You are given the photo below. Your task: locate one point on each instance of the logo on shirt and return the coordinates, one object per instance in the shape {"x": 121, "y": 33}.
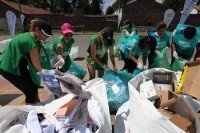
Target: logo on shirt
{"x": 108, "y": 38}
{"x": 184, "y": 44}
{"x": 161, "y": 44}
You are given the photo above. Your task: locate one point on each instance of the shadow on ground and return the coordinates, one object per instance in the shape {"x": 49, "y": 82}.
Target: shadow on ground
{"x": 7, "y": 98}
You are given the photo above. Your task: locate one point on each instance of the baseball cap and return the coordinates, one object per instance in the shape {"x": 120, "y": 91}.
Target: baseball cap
{"x": 67, "y": 28}
{"x": 107, "y": 35}
{"x": 45, "y": 27}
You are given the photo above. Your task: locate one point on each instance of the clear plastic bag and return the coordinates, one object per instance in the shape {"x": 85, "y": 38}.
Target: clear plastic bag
{"x": 74, "y": 52}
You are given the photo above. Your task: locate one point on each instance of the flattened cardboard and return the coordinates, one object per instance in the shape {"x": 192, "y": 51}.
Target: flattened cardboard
{"x": 191, "y": 84}
{"x": 181, "y": 122}
{"x": 66, "y": 109}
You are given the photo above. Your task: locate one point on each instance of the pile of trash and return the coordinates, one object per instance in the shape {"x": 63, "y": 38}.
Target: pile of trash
{"x": 156, "y": 100}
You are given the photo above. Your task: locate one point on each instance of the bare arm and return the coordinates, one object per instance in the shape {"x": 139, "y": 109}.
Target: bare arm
{"x": 112, "y": 57}
{"x": 59, "y": 50}
{"x": 132, "y": 57}
{"x": 197, "y": 7}
{"x": 34, "y": 55}
{"x": 93, "y": 54}
{"x": 173, "y": 47}
{"x": 173, "y": 44}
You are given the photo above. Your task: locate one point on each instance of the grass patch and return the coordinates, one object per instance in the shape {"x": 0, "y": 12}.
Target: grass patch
{"x": 7, "y": 32}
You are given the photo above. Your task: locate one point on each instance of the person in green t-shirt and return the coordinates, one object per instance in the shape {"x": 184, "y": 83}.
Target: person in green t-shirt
{"x": 97, "y": 53}
{"x": 20, "y": 60}
{"x": 61, "y": 48}
{"x": 45, "y": 55}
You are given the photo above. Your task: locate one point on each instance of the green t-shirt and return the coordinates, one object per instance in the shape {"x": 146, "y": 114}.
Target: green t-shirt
{"x": 18, "y": 48}
{"x": 101, "y": 55}
{"x": 66, "y": 51}
{"x": 44, "y": 55}
{"x": 94, "y": 38}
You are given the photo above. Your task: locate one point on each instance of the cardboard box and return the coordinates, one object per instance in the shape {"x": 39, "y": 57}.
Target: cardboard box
{"x": 66, "y": 109}
{"x": 168, "y": 87}
{"x": 176, "y": 103}
{"x": 181, "y": 122}
{"x": 148, "y": 91}
{"x": 165, "y": 96}
{"x": 191, "y": 84}
{"x": 163, "y": 81}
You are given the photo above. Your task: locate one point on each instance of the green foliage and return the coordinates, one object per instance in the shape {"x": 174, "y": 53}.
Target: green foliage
{"x": 65, "y": 6}
{"x": 95, "y": 7}
{"x": 109, "y": 10}
{"x": 176, "y": 5}
{"x": 118, "y": 4}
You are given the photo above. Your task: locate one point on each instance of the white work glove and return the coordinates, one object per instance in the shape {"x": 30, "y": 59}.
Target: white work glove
{"x": 106, "y": 68}
{"x": 127, "y": 34}
{"x": 139, "y": 65}
{"x": 133, "y": 33}
{"x": 175, "y": 55}
{"x": 145, "y": 67}
{"x": 115, "y": 69}
{"x": 183, "y": 62}
{"x": 59, "y": 64}
{"x": 157, "y": 53}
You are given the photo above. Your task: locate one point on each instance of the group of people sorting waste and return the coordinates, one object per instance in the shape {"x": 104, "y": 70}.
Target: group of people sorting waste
{"x": 29, "y": 53}
{"x": 183, "y": 42}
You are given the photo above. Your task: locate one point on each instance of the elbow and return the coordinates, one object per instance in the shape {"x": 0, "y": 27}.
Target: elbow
{"x": 93, "y": 57}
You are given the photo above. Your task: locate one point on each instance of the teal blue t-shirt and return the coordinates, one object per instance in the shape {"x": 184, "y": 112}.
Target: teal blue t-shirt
{"x": 162, "y": 42}
{"x": 129, "y": 42}
{"x": 183, "y": 45}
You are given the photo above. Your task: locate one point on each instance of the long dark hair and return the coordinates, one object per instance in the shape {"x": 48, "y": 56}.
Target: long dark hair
{"x": 147, "y": 40}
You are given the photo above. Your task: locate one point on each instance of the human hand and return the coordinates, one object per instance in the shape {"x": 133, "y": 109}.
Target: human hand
{"x": 60, "y": 63}
{"x": 127, "y": 34}
{"x": 157, "y": 53}
{"x": 139, "y": 65}
{"x": 115, "y": 69}
{"x": 106, "y": 68}
{"x": 145, "y": 67}
{"x": 175, "y": 55}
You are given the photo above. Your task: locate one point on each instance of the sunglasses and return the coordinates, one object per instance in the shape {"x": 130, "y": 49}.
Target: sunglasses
{"x": 68, "y": 35}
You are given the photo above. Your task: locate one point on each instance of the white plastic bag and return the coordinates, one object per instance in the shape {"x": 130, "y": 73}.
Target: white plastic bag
{"x": 11, "y": 118}
{"x": 139, "y": 115}
{"x": 74, "y": 52}
{"x": 97, "y": 106}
